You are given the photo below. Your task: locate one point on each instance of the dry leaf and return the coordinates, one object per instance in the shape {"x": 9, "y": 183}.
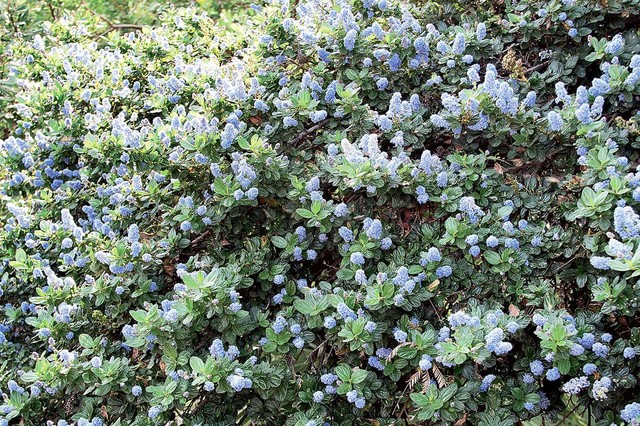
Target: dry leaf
{"x": 462, "y": 421}
{"x": 514, "y": 311}
{"x": 104, "y": 412}
{"x": 169, "y": 267}
{"x": 415, "y": 378}
{"x": 433, "y": 285}
{"x": 442, "y": 381}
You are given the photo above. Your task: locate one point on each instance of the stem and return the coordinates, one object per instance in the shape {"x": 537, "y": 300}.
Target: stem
{"x": 536, "y": 67}
{"x": 309, "y": 131}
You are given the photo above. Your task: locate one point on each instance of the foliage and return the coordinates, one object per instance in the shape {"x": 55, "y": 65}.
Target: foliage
{"x": 343, "y": 213}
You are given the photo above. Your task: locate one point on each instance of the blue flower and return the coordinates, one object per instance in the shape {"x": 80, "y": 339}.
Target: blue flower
{"x": 459, "y": 44}
{"x": 425, "y": 362}
{"x": 318, "y": 396}
{"x": 399, "y": 335}
{"x": 444, "y": 271}
{"x": 345, "y": 312}
{"x": 555, "y": 121}
{"x": 350, "y": 39}
{"x": 154, "y": 412}
{"x": 433, "y": 255}
{"x": 600, "y": 262}
{"x": 553, "y": 374}
{"x": 575, "y": 385}
{"x": 629, "y": 353}
{"x": 481, "y": 31}
{"x": 600, "y": 350}
{"x": 631, "y": 413}
{"x": 536, "y": 367}
{"x": 329, "y": 323}
{"x": 279, "y": 325}
{"x": 357, "y": 258}
{"x": 289, "y": 122}
{"x": 486, "y": 382}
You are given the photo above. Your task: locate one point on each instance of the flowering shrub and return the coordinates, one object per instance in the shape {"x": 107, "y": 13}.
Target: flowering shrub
{"x": 358, "y": 212}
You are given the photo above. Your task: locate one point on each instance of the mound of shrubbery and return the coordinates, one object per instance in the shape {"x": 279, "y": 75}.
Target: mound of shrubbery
{"x": 339, "y": 213}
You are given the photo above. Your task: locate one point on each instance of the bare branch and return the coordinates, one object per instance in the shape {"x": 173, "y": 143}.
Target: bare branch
{"x": 311, "y": 130}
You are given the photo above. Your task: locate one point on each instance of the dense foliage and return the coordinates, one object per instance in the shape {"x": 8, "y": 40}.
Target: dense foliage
{"x": 343, "y": 213}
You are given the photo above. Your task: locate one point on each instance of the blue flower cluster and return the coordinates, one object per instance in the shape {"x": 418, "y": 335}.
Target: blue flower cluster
{"x": 346, "y": 212}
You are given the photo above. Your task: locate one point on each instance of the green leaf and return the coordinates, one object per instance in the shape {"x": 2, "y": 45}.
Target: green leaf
{"x": 197, "y": 364}
{"x": 407, "y": 352}
{"x": 21, "y": 255}
{"x": 86, "y": 341}
{"x": 558, "y": 332}
{"x": 618, "y": 265}
{"x": 219, "y": 187}
{"x": 243, "y": 143}
{"x": 305, "y": 307}
{"x": 492, "y": 257}
{"x": 564, "y": 365}
{"x": 357, "y": 326}
{"x": 448, "y": 392}
{"x": 420, "y": 400}
{"x": 307, "y": 214}
{"x": 279, "y": 242}
{"x": 351, "y": 74}
{"x": 139, "y": 316}
{"x": 451, "y": 225}
{"x": 343, "y": 372}
{"x": 316, "y": 206}
{"x": 358, "y": 376}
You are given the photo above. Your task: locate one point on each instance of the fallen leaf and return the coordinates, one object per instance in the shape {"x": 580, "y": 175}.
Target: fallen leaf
{"x": 461, "y": 421}
{"x": 514, "y": 311}
{"x": 433, "y": 285}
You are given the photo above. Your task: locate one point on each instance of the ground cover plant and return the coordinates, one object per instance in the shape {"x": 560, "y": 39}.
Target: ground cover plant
{"x": 337, "y": 213}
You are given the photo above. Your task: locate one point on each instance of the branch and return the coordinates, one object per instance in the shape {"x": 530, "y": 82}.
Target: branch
{"x": 302, "y": 136}
{"x": 52, "y": 11}
{"x": 111, "y": 25}
{"x": 568, "y": 414}
{"x": 126, "y": 27}
{"x": 536, "y": 67}
{"x": 201, "y": 237}
{"x": 10, "y": 15}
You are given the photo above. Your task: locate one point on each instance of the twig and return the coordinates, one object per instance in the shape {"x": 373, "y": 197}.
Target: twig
{"x": 309, "y": 131}
{"x": 317, "y": 348}
{"x": 52, "y": 11}
{"x": 11, "y": 21}
{"x": 536, "y": 67}
{"x": 111, "y": 25}
{"x": 126, "y": 27}
{"x": 568, "y": 414}
{"x": 199, "y": 238}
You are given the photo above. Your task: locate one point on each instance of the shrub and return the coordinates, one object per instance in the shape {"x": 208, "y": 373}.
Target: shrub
{"x": 339, "y": 213}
